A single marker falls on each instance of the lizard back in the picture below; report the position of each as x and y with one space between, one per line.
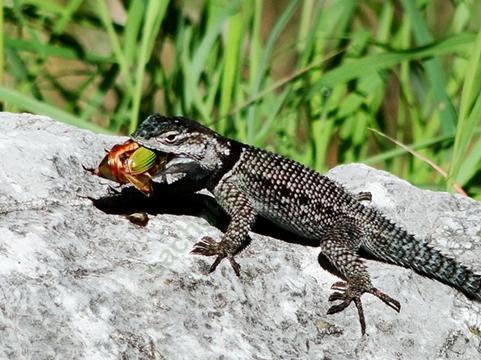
290 194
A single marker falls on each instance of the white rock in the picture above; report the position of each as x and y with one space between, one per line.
80 283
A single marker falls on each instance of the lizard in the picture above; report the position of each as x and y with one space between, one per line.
248 182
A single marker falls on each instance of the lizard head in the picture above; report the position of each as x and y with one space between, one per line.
185 141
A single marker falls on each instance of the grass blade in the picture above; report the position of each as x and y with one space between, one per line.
2 47
154 15
470 108
372 63
104 14
433 68
231 57
263 64
424 159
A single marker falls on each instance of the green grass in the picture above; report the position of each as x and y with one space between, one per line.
307 79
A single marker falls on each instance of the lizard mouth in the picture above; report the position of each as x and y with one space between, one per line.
175 159
177 167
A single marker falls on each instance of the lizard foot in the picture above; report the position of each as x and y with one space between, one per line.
209 247
363 196
348 293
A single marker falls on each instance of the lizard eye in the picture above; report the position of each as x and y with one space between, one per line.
170 138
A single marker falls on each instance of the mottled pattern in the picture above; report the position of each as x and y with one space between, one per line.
290 194
389 242
247 181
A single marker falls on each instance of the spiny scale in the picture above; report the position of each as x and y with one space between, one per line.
248 182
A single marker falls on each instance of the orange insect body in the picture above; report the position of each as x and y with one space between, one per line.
114 164
130 163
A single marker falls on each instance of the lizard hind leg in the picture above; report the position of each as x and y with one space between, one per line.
339 245
351 293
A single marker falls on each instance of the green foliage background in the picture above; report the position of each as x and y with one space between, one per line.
303 78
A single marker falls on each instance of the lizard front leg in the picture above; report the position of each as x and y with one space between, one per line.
236 237
339 244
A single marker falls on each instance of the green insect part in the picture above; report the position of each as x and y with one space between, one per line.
141 161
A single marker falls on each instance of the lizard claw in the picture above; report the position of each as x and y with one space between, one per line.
206 246
209 247
350 294
386 299
340 285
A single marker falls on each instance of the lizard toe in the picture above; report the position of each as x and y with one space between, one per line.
217 261
343 305
337 296
389 301
206 246
363 196
348 293
234 265
339 307
340 285
232 261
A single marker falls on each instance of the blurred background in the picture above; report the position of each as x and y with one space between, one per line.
322 82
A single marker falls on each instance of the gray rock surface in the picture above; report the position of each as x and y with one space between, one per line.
79 281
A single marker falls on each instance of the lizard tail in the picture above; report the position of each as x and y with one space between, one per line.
395 245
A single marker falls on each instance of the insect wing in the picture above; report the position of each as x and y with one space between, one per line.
141 182
141 161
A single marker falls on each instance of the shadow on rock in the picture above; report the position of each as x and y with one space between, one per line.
131 203
179 200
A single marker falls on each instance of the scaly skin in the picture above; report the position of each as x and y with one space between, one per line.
249 182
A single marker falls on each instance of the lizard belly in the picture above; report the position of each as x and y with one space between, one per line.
291 218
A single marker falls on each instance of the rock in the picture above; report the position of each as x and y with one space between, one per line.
78 280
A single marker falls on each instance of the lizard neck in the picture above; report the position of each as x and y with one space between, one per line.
228 159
